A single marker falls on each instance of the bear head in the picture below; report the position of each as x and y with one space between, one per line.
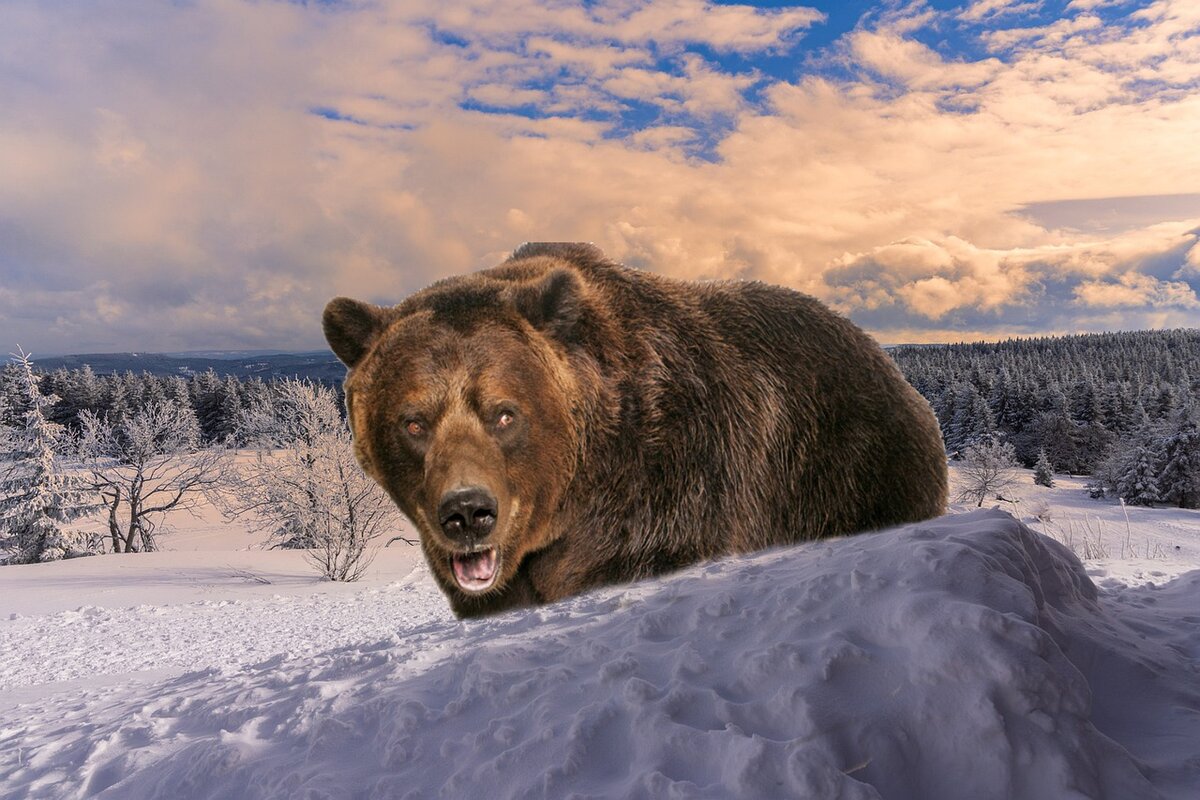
462 404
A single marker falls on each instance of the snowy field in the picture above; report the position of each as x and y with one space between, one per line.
962 657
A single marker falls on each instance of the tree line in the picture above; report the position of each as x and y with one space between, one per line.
131 450
1123 408
217 402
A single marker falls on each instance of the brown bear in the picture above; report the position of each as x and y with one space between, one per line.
561 422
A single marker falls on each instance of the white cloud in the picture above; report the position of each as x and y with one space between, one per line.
934 277
1133 289
1089 5
914 64
983 9
166 179
1191 264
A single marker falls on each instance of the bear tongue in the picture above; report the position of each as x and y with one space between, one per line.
472 569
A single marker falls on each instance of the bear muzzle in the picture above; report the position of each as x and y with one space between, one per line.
467 516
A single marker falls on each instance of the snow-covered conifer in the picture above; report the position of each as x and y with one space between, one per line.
1043 473
230 408
38 496
1179 482
1137 478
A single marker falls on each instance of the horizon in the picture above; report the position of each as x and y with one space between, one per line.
205 176
266 351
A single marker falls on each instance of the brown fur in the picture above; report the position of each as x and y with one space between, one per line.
657 422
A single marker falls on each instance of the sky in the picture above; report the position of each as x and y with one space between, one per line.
206 175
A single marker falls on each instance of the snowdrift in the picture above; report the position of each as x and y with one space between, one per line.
962 657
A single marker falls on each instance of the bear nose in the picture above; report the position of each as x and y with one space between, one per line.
467 514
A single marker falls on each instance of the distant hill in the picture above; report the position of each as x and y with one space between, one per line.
266 364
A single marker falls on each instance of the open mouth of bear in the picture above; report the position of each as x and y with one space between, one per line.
476 571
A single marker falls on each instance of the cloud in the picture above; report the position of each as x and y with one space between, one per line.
913 64
208 174
930 279
1089 5
1132 289
984 9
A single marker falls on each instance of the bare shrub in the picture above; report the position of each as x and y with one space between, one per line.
303 484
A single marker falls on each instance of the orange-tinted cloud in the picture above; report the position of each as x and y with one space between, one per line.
207 175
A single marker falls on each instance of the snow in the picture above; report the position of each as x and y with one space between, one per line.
1127 543
966 656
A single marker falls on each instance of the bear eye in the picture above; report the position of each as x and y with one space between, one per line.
414 427
505 419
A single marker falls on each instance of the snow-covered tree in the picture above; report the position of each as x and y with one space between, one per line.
115 401
989 467
1043 473
205 389
1137 480
304 485
144 465
176 390
966 418
38 496
150 390
1179 481
230 409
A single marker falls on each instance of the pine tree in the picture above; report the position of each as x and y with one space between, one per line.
59 384
132 389
151 391
37 496
1179 482
206 399
87 389
115 400
176 391
1043 473
1085 404
230 408
1137 479
11 396
970 418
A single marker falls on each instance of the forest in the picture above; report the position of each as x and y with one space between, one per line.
1123 408
128 451
216 401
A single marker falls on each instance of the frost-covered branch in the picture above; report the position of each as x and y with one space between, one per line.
989 468
303 484
144 465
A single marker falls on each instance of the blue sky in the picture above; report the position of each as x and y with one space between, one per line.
208 174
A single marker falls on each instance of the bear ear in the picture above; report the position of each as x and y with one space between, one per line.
554 304
351 326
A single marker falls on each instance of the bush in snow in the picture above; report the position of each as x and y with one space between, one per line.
145 464
989 467
1043 473
37 495
304 485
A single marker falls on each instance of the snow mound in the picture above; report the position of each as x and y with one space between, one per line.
962 657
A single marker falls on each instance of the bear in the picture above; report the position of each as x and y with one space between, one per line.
562 422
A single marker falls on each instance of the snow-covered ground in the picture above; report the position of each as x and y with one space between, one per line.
1127 544
961 657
